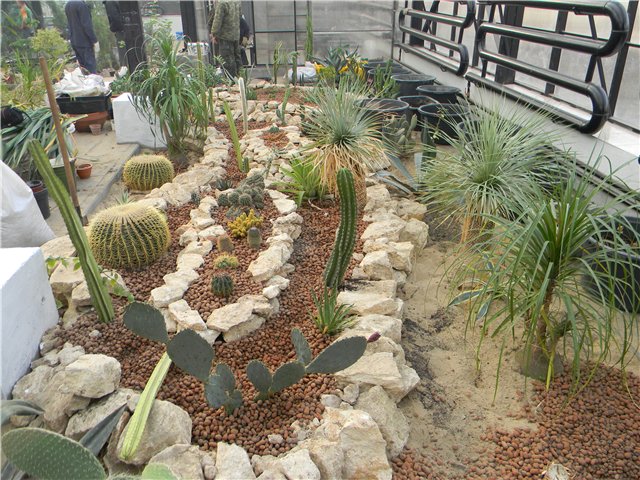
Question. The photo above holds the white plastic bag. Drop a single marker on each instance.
(75, 84)
(21, 223)
(307, 72)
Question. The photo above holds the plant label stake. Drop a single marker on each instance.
(61, 143)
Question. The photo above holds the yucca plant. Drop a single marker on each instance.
(537, 267)
(302, 182)
(500, 162)
(344, 135)
(171, 90)
(331, 318)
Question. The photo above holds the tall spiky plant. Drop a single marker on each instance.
(344, 135)
(501, 157)
(308, 43)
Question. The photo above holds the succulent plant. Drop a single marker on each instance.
(224, 261)
(241, 225)
(254, 238)
(220, 389)
(224, 244)
(146, 172)
(223, 184)
(267, 384)
(346, 238)
(129, 236)
(222, 285)
(396, 133)
(281, 112)
(274, 129)
(249, 194)
(336, 357)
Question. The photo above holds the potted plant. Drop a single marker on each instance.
(84, 170)
(41, 195)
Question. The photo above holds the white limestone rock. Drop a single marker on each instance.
(183, 315)
(416, 232)
(85, 420)
(181, 279)
(269, 262)
(232, 463)
(411, 209)
(166, 294)
(299, 466)
(211, 233)
(371, 298)
(377, 265)
(183, 460)
(92, 376)
(388, 226)
(189, 261)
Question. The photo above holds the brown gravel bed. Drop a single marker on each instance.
(141, 282)
(275, 140)
(410, 465)
(199, 296)
(596, 435)
(277, 94)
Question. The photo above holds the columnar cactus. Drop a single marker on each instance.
(129, 236)
(346, 239)
(222, 286)
(254, 238)
(146, 172)
(224, 244)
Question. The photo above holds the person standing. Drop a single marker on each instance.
(81, 33)
(225, 31)
(245, 38)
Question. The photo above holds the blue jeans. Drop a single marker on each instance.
(86, 58)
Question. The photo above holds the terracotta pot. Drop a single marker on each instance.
(96, 118)
(84, 170)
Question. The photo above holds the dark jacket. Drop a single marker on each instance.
(245, 29)
(226, 20)
(114, 16)
(80, 25)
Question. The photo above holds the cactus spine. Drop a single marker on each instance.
(146, 172)
(222, 286)
(97, 289)
(224, 244)
(346, 239)
(241, 225)
(129, 236)
(254, 238)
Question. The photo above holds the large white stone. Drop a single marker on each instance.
(377, 197)
(166, 294)
(411, 209)
(298, 465)
(371, 298)
(285, 206)
(181, 279)
(80, 296)
(385, 325)
(269, 262)
(183, 460)
(416, 232)
(390, 228)
(189, 261)
(202, 247)
(377, 265)
(390, 419)
(183, 315)
(232, 463)
(65, 278)
(92, 376)
(235, 320)
(211, 233)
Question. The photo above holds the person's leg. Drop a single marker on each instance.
(86, 58)
(237, 58)
(227, 54)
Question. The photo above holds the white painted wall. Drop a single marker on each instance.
(132, 127)
(27, 311)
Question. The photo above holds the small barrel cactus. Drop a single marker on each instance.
(241, 225)
(224, 244)
(129, 236)
(254, 238)
(226, 262)
(146, 172)
(222, 286)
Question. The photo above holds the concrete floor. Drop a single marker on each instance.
(107, 158)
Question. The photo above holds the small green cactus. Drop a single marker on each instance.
(245, 200)
(267, 384)
(224, 244)
(220, 390)
(146, 172)
(249, 194)
(129, 236)
(222, 286)
(224, 261)
(254, 238)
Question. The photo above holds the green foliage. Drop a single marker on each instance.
(301, 346)
(331, 318)
(267, 384)
(226, 262)
(254, 238)
(535, 266)
(279, 59)
(408, 182)
(146, 321)
(282, 111)
(308, 43)
(49, 43)
(190, 352)
(252, 94)
(293, 58)
(384, 86)
(99, 295)
(248, 195)
(105, 58)
(338, 356)
(243, 163)
(500, 161)
(222, 285)
(397, 134)
(129, 236)
(146, 172)
(196, 198)
(120, 85)
(303, 181)
(220, 390)
(241, 225)
(224, 244)
(345, 241)
(244, 104)
(9, 408)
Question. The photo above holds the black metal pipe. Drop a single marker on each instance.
(446, 63)
(454, 20)
(453, 46)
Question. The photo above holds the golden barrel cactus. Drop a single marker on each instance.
(129, 236)
(146, 172)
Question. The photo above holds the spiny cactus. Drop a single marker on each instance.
(146, 172)
(222, 286)
(346, 239)
(129, 236)
(336, 357)
(223, 184)
(241, 225)
(281, 112)
(247, 195)
(224, 244)
(254, 238)
(267, 384)
(97, 289)
(195, 198)
(220, 390)
(222, 262)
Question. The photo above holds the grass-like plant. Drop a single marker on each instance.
(243, 164)
(535, 268)
(303, 181)
(501, 160)
(344, 135)
(171, 90)
(329, 317)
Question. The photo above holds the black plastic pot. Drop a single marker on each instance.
(372, 64)
(415, 102)
(624, 268)
(442, 118)
(441, 93)
(395, 70)
(409, 82)
(42, 198)
(384, 106)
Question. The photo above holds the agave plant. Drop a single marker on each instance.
(344, 135)
(537, 266)
(302, 181)
(331, 318)
(501, 160)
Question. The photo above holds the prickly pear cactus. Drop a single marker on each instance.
(220, 390)
(129, 236)
(224, 262)
(224, 244)
(254, 238)
(267, 384)
(222, 286)
(146, 172)
(241, 225)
